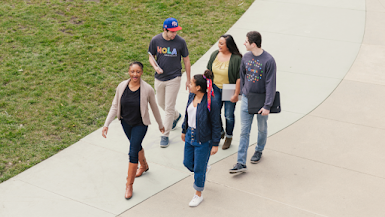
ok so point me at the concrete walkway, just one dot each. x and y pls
(324, 155)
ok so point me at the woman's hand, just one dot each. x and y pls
(214, 150)
(104, 132)
(183, 137)
(162, 130)
(234, 98)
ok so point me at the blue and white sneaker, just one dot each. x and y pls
(256, 157)
(175, 122)
(238, 168)
(164, 142)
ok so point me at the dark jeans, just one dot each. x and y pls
(135, 135)
(229, 111)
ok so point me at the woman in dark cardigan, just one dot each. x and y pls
(225, 63)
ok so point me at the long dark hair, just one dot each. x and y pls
(201, 81)
(231, 45)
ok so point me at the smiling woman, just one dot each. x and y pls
(75, 53)
(225, 63)
(130, 105)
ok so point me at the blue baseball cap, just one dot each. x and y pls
(171, 24)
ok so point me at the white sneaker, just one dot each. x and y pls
(196, 200)
(208, 169)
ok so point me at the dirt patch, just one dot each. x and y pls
(76, 21)
(66, 31)
(21, 27)
(60, 13)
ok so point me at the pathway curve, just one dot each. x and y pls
(316, 160)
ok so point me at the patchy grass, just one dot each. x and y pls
(60, 62)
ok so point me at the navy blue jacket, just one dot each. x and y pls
(208, 123)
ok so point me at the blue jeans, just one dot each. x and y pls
(246, 122)
(229, 111)
(196, 157)
(135, 135)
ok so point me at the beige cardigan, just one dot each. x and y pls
(147, 95)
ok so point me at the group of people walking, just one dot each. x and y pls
(202, 127)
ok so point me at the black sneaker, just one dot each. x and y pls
(238, 168)
(174, 123)
(256, 157)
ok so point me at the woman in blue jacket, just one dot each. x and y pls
(201, 131)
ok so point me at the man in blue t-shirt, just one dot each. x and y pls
(257, 75)
(166, 51)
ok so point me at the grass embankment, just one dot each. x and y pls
(60, 62)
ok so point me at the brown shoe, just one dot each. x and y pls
(143, 164)
(130, 180)
(227, 143)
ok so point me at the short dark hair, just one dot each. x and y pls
(201, 81)
(254, 37)
(136, 63)
(231, 45)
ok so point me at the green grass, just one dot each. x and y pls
(60, 62)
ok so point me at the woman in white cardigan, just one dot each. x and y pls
(130, 105)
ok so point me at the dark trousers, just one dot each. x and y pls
(229, 111)
(135, 135)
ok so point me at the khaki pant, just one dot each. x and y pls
(166, 93)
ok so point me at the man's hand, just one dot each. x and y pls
(188, 84)
(183, 136)
(162, 130)
(187, 66)
(153, 63)
(264, 112)
(159, 70)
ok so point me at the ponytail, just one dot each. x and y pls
(201, 80)
(205, 82)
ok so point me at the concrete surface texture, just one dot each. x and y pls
(324, 155)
